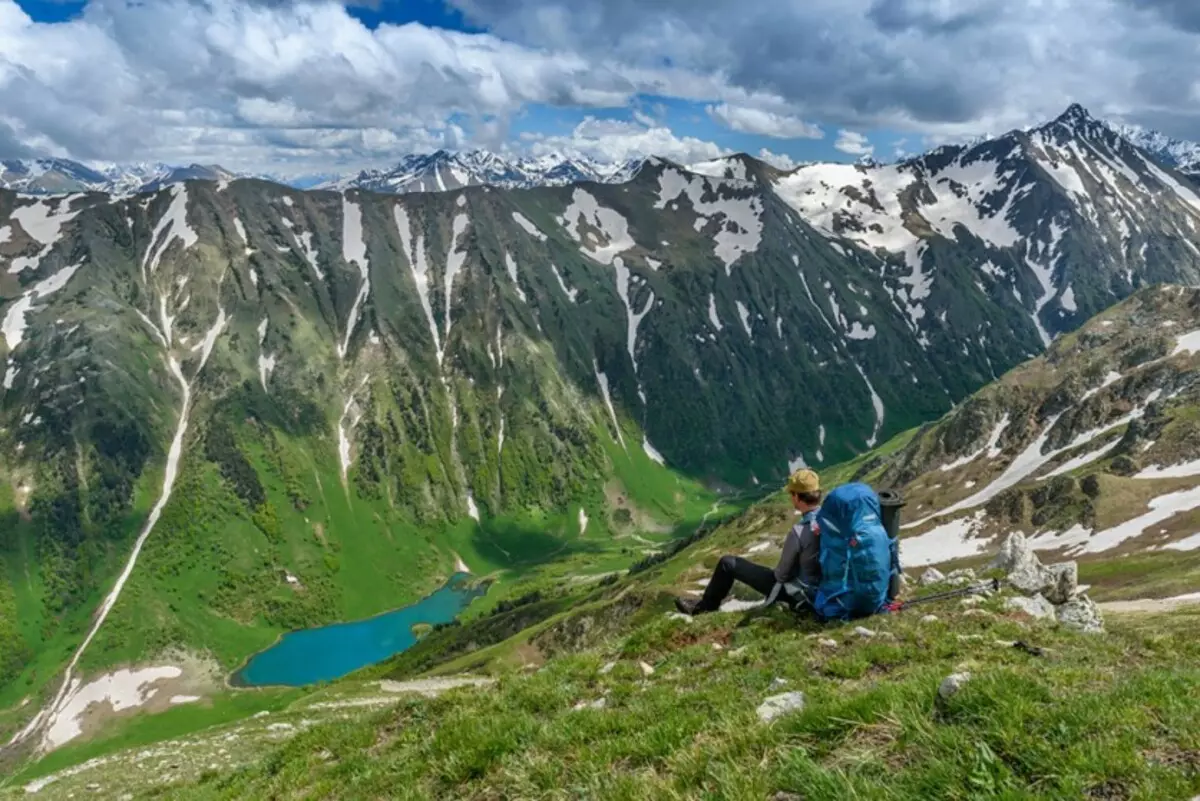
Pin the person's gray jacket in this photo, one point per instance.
(799, 569)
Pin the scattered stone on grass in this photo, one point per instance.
(952, 684)
(931, 576)
(779, 705)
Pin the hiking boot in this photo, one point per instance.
(688, 606)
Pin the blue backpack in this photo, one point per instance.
(858, 558)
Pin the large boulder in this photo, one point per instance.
(1057, 583)
(1081, 614)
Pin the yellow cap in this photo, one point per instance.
(804, 481)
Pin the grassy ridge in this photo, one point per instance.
(1110, 717)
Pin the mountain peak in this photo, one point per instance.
(1075, 115)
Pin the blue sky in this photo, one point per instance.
(292, 86)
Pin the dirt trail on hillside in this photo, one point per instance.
(1150, 605)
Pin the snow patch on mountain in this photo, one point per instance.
(170, 227)
(744, 316)
(712, 311)
(455, 260)
(568, 291)
(529, 227)
(602, 382)
(42, 221)
(14, 324)
(633, 318)
(413, 241)
(739, 218)
(610, 231)
(652, 452)
(511, 266)
(354, 252)
(989, 447)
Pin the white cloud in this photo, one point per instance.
(254, 83)
(246, 82)
(925, 66)
(766, 123)
(780, 160)
(617, 140)
(853, 143)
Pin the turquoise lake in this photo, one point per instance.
(330, 652)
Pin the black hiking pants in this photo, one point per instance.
(735, 568)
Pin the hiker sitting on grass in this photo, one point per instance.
(794, 580)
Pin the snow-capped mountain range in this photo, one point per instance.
(53, 176)
(444, 170)
(1178, 153)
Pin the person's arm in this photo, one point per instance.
(789, 559)
(809, 556)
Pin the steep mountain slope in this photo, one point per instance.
(443, 171)
(1092, 450)
(1066, 218)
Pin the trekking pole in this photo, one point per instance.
(993, 585)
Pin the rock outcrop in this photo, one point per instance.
(1052, 590)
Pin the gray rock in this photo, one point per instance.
(929, 619)
(1081, 614)
(608, 668)
(1062, 582)
(1029, 576)
(778, 705)
(599, 703)
(961, 578)
(971, 602)
(863, 632)
(1036, 607)
(647, 670)
(952, 684)
(778, 684)
(827, 643)
(931, 576)
(977, 613)
(1013, 553)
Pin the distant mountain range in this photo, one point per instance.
(434, 172)
(62, 176)
(1177, 153)
(444, 170)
